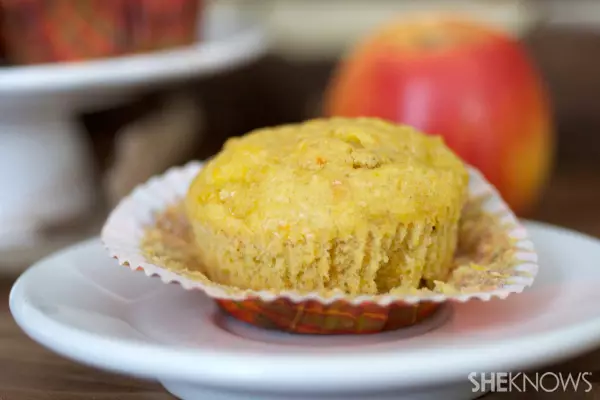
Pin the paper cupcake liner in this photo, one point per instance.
(338, 317)
(42, 31)
(333, 312)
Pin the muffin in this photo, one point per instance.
(329, 227)
(43, 31)
(361, 206)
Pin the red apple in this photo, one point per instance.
(471, 84)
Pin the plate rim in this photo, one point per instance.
(256, 371)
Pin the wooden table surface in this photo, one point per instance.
(29, 372)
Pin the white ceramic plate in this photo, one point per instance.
(80, 304)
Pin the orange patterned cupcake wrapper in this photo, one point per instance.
(338, 318)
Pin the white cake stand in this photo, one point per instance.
(45, 171)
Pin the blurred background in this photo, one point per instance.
(300, 47)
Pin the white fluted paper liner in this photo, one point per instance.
(125, 227)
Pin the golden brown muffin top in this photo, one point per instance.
(330, 176)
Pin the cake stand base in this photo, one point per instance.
(44, 173)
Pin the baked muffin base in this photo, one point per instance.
(371, 262)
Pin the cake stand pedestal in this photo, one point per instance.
(45, 163)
